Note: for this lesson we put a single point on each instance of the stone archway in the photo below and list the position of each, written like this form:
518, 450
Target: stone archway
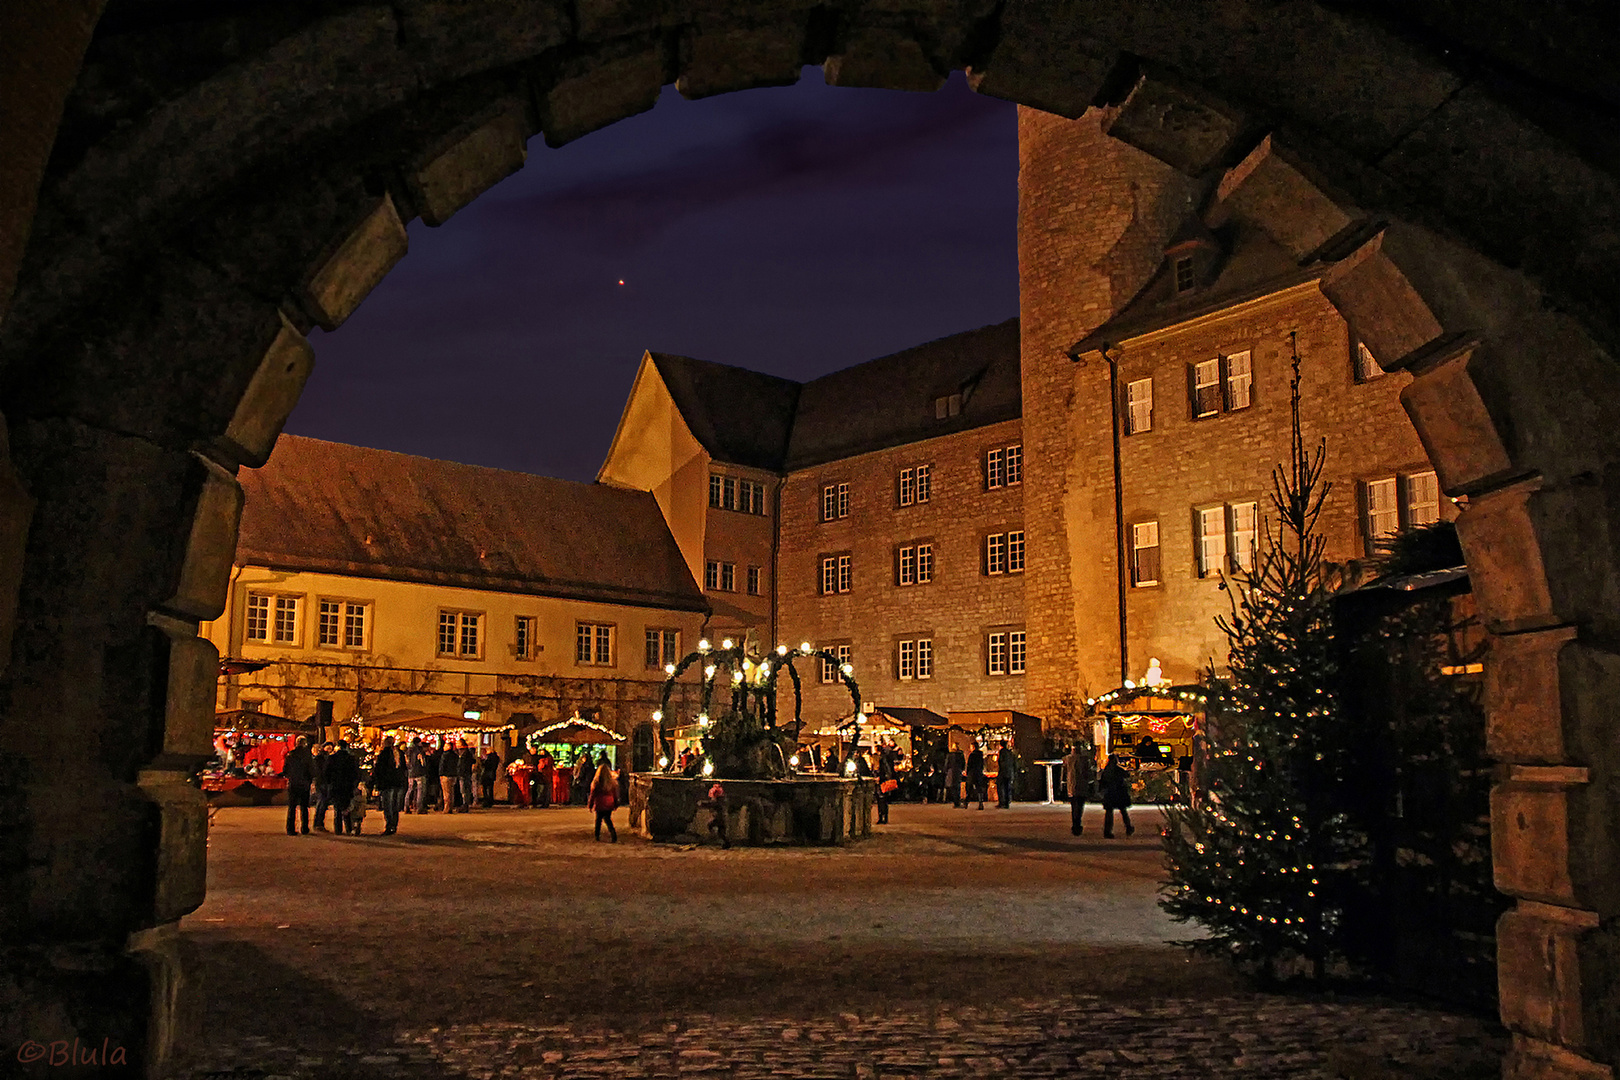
221, 183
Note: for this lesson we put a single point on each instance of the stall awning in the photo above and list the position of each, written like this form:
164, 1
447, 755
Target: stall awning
577, 731
416, 720
260, 722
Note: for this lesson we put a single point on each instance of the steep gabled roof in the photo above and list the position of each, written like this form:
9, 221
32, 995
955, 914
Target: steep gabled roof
890, 401
740, 417
333, 508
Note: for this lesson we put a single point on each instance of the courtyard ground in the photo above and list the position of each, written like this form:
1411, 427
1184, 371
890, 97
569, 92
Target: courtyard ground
954, 943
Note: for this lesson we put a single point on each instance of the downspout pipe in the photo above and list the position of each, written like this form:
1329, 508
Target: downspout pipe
1111, 353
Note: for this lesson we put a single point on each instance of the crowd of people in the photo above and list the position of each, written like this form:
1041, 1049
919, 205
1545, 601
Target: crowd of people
420, 777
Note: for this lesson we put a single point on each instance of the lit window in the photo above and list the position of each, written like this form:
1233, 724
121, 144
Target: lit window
525, 637
1184, 274
1211, 541
1245, 534
996, 654
459, 634
1239, 379
1207, 388
1138, 406
1145, 553
593, 644
1382, 517
995, 553
1422, 499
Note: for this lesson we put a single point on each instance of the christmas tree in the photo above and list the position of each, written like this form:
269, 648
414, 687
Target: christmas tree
1266, 859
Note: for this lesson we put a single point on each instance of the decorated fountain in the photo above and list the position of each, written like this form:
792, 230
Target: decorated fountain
736, 742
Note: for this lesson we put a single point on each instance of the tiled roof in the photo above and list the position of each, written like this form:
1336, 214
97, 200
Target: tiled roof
740, 417
890, 401
333, 508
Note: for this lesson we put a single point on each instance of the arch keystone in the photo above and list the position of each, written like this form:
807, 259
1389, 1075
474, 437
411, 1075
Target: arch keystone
885, 59
475, 161
360, 262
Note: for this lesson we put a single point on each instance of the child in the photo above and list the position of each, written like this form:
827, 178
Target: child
717, 805
357, 809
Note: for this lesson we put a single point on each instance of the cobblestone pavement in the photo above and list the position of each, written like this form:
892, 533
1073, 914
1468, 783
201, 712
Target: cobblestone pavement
955, 944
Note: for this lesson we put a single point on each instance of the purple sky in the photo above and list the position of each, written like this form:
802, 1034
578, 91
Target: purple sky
796, 231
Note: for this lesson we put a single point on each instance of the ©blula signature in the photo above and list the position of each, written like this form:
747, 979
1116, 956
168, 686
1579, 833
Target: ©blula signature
74, 1052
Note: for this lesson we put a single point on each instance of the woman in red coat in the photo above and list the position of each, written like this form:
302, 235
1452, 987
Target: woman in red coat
603, 798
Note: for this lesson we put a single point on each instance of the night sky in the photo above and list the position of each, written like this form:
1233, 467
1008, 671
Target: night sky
795, 231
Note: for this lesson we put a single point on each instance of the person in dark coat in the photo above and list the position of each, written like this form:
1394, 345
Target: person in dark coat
1115, 787
449, 766
415, 777
976, 783
489, 767
1006, 775
886, 774
323, 790
430, 775
342, 777
389, 775
466, 769
299, 769
584, 776
955, 766
1077, 769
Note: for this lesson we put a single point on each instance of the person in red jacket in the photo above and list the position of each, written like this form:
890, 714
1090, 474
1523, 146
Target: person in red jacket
603, 798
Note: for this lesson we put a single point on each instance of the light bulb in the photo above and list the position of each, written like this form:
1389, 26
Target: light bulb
658, 714
804, 646
708, 768
781, 650
709, 671
669, 669
703, 646
794, 761
850, 768
726, 644
736, 676
848, 669
663, 761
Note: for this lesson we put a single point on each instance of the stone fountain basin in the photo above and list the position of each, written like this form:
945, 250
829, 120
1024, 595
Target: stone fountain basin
803, 810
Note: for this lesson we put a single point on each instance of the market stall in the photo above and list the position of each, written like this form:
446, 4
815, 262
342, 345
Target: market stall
988, 729
569, 740
1151, 730
250, 748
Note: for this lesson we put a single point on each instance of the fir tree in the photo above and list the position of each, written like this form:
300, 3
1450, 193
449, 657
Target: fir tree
1264, 861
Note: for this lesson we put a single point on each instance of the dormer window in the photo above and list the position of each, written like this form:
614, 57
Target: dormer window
947, 405
1184, 274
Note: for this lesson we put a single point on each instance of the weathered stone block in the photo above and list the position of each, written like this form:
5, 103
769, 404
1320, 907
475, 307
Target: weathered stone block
1458, 432
16, 511
453, 38
1374, 295
475, 161
1539, 972
271, 395
1188, 130
882, 58
1530, 841
600, 93
1523, 705
1055, 67
1504, 554
188, 710
720, 62
1274, 192
1534, 1059
211, 545
358, 264
176, 1004
801, 811
181, 877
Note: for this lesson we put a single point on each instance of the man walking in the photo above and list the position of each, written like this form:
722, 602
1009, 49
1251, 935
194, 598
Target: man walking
299, 769
1115, 787
342, 777
1006, 775
388, 779
975, 775
1077, 779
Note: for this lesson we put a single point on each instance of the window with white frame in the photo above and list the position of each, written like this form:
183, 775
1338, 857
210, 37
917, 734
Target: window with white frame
272, 617
1422, 499
1382, 512
1145, 553
1239, 380
460, 634
915, 659
341, 624
754, 576
836, 574
523, 637
711, 574
915, 484
1005, 652
995, 553
925, 563
751, 497
1003, 466
663, 646
1245, 534
719, 576
1015, 552
1211, 540
1206, 388
1366, 365
1138, 406
728, 577
831, 669
925, 482
834, 502
593, 644
908, 565
914, 564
